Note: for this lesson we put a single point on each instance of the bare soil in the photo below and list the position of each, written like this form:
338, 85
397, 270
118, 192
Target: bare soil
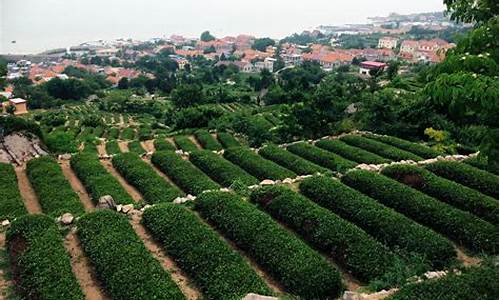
136, 196
83, 270
179, 277
195, 141
163, 175
171, 140
101, 148
123, 146
148, 145
465, 259
77, 185
27, 192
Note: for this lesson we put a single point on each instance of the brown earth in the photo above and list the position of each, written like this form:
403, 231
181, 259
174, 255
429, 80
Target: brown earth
123, 146
465, 259
172, 141
77, 185
83, 270
195, 141
148, 145
101, 148
27, 192
130, 189
163, 175
179, 277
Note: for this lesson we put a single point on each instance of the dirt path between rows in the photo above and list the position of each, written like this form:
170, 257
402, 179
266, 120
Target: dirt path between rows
195, 141
27, 192
5, 284
77, 185
121, 121
148, 145
101, 148
132, 191
83, 270
123, 146
179, 277
163, 175
465, 259
172, 141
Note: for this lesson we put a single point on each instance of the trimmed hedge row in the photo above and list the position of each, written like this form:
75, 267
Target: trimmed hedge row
55, 194
386, 225
219, 169
445, 190
481, 163
136, 148
256, 165
183, 173
11, 202
227, 140
350, 152
113, 133
127, 133
138, 173
462, 227
467, 175
474, 283
183, 142
415, 148
288, 259
219, 271
321, 157
207, 141
112, 147
122, 262
96, 179
379, 148
41, 265
346, 243
290, 161
163, 145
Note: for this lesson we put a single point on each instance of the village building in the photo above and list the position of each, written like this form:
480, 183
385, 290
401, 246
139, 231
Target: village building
387, 42
367, 66
18, 103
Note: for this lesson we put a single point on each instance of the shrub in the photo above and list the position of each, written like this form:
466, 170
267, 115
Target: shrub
40, 265
346, 243
227, 140
97, 181
11, 202
379, 148
473, 283
207, 141
350, 152
219, 271
321, 157
90, 147
481, 163
55, 194
163, 145
386, 225
445, 190
290, 261
136, 148
183, 142
127, 134
256, 165
113, 133
138, 173
460, 226
415, 148
290, 161
467, 175
183, 173
121, 260
219, 169
99, 131
61, 142
112, 147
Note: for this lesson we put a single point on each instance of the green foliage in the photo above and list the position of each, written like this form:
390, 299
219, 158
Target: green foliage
262, 43
379, 148
255, 165
207, 141
467, 175
206, 36
144, 178
136, 148
219, 169
448, 191
418, 149
462, 227
61, 142
183, 142
321, 157
128, 133
40, 264
121, 259
194, 117
290, 261
219, 271
183, 173
112, 147
384, 224
97, 181
346, 243
470, 284
290, 161
163, 145
11, 202
113, 133
350, 152
227, 140
481, 162
186, 95
55, 194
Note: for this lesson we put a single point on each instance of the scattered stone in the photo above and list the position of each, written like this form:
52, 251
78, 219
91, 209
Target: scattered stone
287, 180
119, 208
106, 201
178, 200
435, 274
253, 187
267, 182
65, 156
190, 197
5, 223
253, 296
179, 152
126, 208
67, 219
224, 189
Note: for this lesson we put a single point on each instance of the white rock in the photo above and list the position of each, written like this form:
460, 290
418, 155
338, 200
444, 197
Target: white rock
253, 187
106, 202
253, 296
178, 200
287, 180
65, 156
128, 207
190, 197
67, 219
5, 223
224, 190
119, 207
180, 152
267, 182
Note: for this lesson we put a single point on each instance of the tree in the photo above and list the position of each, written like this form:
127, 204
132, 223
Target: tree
262, 43
123, 83
186, 95
206, 36
210, 49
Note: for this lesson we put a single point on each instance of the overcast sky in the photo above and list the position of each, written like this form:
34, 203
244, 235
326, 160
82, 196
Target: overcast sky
37, 25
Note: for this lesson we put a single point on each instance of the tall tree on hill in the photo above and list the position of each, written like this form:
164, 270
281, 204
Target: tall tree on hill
206, 36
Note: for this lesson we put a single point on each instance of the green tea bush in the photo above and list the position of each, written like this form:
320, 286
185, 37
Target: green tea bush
55, 194
227, 140
11, 202
321, 157
121, 261
163, 145
290, 161
112, 147
379, 148
136, 148
286, 258
207, 141
415, 148
127, 134
183, 142
256, 165
350, 152
219, 271
113, 133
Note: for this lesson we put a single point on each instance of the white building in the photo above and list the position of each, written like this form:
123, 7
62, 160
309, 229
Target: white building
387, 42
267, 64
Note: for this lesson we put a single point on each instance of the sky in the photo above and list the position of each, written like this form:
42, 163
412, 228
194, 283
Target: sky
38, 25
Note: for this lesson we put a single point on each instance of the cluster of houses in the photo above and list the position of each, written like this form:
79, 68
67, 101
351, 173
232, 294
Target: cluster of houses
433, 50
